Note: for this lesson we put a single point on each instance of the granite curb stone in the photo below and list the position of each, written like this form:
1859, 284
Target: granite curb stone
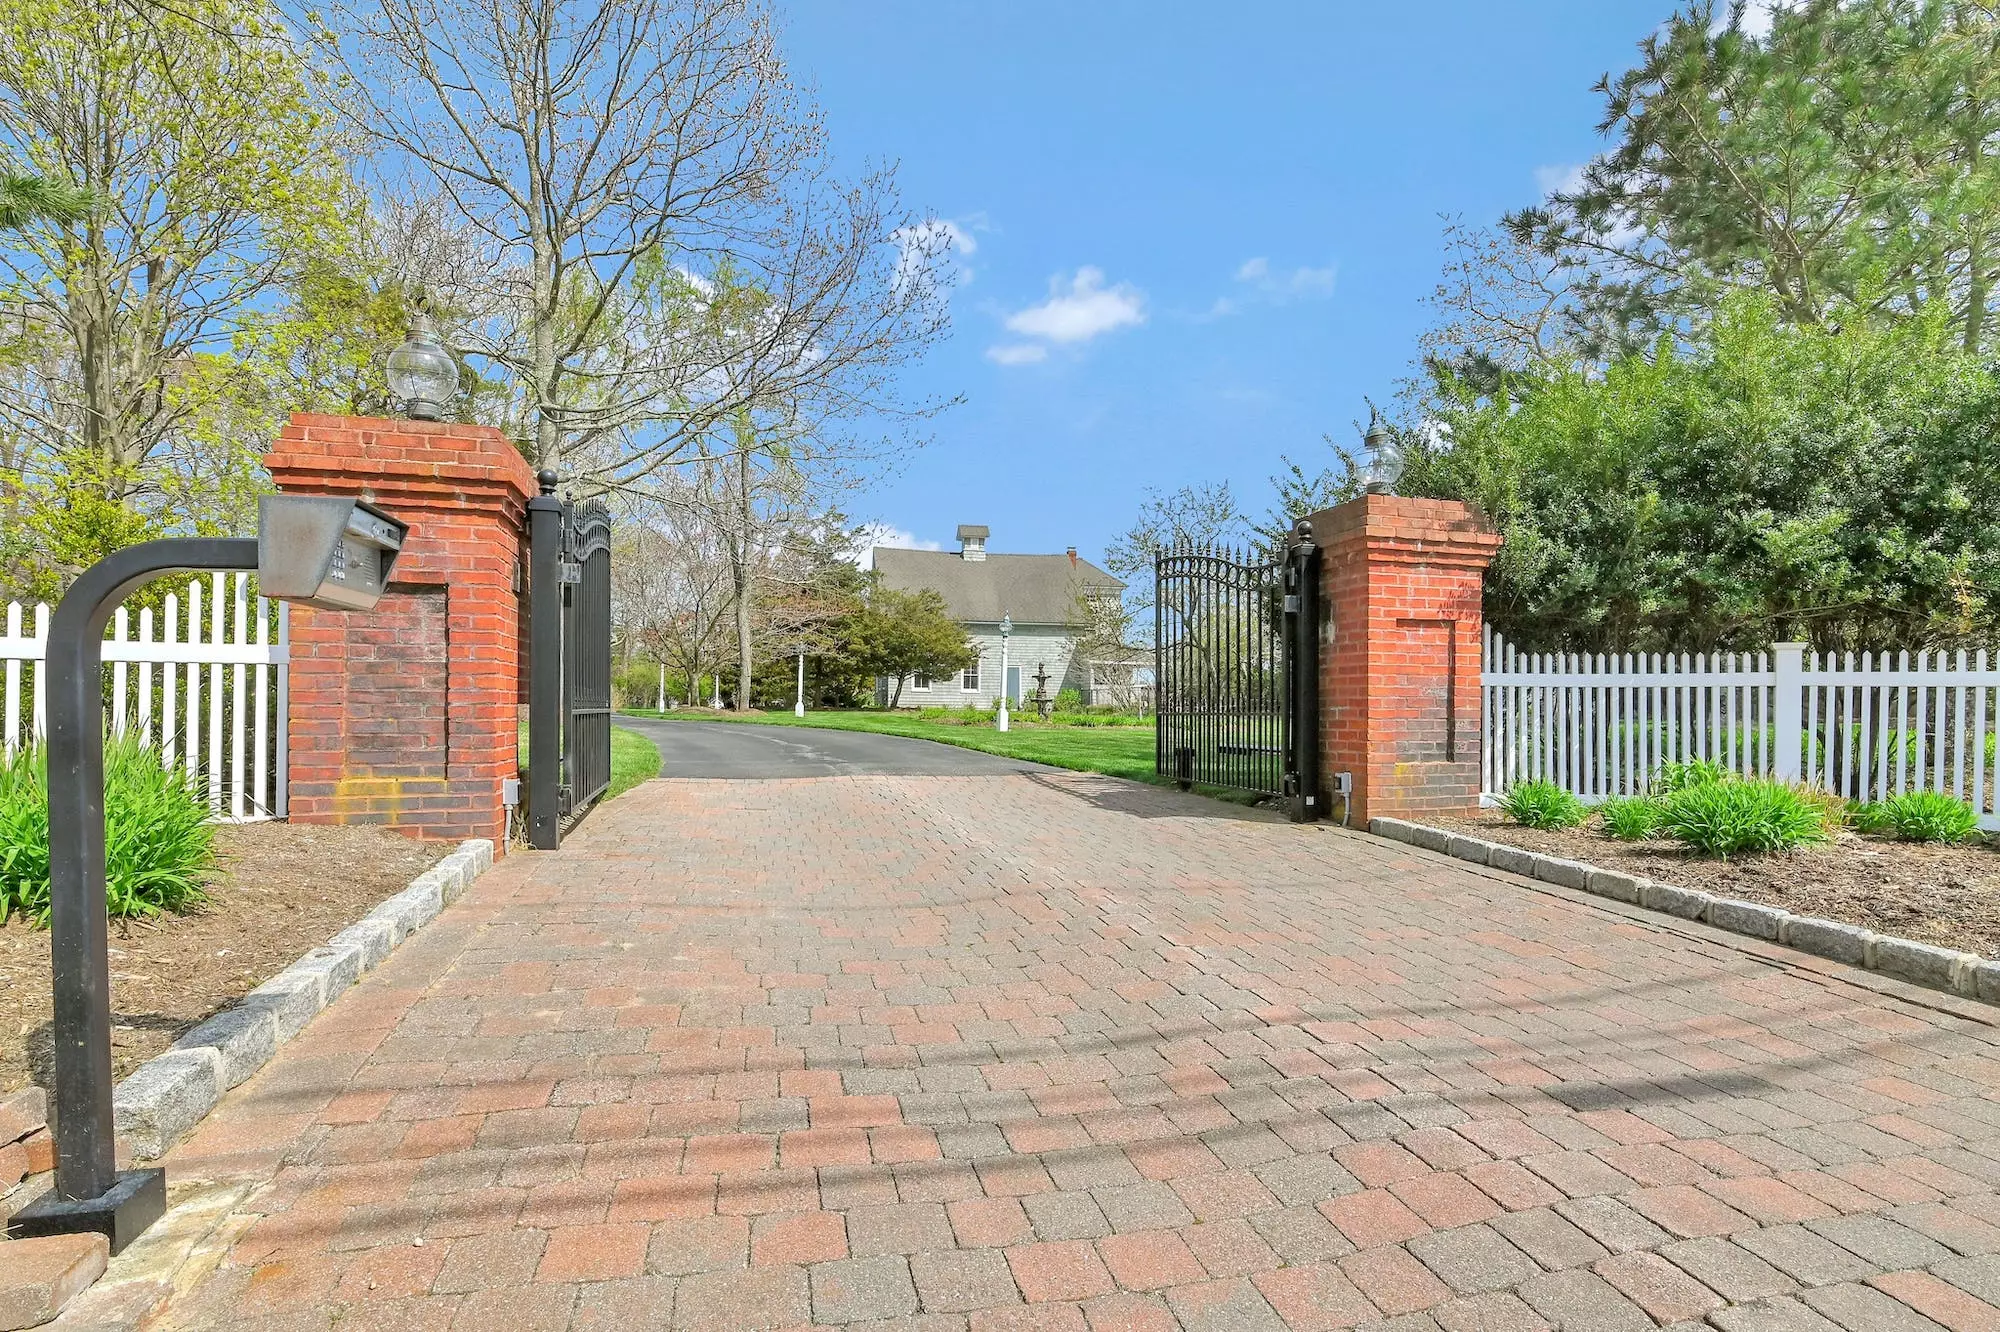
1563, 873
1616, 885
1828, 938
1687, 903
1946, 969
1751, 918
165, 1097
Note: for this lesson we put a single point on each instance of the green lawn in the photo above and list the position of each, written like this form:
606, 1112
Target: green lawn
1119, 751
634, 759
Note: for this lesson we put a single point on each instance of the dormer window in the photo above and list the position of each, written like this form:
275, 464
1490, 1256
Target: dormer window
972, 541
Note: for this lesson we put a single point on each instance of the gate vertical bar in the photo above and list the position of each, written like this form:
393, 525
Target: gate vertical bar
1301, 654
545, 746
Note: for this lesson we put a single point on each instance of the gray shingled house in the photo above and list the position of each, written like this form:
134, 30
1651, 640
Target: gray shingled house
1039, 592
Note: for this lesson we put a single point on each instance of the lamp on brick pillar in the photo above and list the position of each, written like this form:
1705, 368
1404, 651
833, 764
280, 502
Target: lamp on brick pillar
423, 377
1382, 465
1399, 670
409, 717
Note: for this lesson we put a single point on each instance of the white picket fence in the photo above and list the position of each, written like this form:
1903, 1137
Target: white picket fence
1861, 725
213, 702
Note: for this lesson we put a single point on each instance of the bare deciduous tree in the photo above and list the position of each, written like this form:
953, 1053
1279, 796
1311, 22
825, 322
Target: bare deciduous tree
637, 167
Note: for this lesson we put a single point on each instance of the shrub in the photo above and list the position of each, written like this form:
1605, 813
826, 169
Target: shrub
1724, 818
1541, 805
1674, 777
1929, 816
1869, 817
1630, 819
157, 838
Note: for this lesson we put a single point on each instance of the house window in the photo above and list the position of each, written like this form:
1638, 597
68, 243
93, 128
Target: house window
920, 681
970, 680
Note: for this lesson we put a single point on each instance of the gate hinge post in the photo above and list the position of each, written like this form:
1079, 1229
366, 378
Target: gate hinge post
545, 652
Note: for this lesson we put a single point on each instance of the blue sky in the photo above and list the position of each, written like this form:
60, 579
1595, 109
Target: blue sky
1198, 234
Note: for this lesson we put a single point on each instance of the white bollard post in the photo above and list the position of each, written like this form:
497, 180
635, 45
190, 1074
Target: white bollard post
799, 708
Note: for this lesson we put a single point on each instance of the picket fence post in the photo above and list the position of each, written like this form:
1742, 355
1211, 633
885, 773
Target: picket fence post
1788, 686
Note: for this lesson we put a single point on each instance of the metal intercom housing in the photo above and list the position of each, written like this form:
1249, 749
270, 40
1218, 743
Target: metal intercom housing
326, 551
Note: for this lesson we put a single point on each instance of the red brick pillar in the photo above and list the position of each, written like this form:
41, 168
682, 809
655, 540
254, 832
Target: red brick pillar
1399, 668
406, 715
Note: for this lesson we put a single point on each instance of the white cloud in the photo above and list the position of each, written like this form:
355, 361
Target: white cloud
1080, 308
874, 535
1558, 179
1017, 353
1282, 285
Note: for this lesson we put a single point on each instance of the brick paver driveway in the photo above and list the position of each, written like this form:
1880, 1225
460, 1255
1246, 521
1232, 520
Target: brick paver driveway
1060, 1052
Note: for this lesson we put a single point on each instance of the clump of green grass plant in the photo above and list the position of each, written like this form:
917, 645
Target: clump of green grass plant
1929, 816
1630, 818
1726, 818
1541, 805
157, 837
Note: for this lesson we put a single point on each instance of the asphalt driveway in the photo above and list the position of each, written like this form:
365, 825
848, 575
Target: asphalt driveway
745, 751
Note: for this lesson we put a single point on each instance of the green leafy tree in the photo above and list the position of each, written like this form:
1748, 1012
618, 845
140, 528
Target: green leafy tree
1845, 164
900, 634
1759, 481
196, 134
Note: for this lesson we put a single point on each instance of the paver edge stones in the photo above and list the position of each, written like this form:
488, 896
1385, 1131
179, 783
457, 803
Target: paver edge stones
1965, 974
164, 1097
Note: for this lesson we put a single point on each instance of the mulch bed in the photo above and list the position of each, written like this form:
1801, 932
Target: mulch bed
277, 890
1945, 895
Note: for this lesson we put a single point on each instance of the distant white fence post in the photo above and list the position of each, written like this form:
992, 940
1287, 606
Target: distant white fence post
1787, 711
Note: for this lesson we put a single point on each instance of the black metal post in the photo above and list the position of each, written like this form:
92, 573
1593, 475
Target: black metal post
1302, 561
545, 667
90, 1193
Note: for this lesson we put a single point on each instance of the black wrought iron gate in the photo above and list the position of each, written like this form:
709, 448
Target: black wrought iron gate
1236, 643
569, 667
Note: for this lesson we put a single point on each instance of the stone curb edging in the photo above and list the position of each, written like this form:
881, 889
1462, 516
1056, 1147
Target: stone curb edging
166, 1096
1965, 974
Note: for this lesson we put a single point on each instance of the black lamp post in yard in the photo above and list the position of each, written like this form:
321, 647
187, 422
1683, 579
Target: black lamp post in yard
334, 553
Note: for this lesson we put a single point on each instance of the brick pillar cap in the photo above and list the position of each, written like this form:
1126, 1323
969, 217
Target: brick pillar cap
1402, 518
382, 457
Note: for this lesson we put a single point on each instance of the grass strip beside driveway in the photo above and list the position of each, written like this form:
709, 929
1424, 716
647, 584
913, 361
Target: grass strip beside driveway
634, 759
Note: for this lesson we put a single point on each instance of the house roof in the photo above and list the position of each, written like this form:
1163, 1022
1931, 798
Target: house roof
1034, 589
